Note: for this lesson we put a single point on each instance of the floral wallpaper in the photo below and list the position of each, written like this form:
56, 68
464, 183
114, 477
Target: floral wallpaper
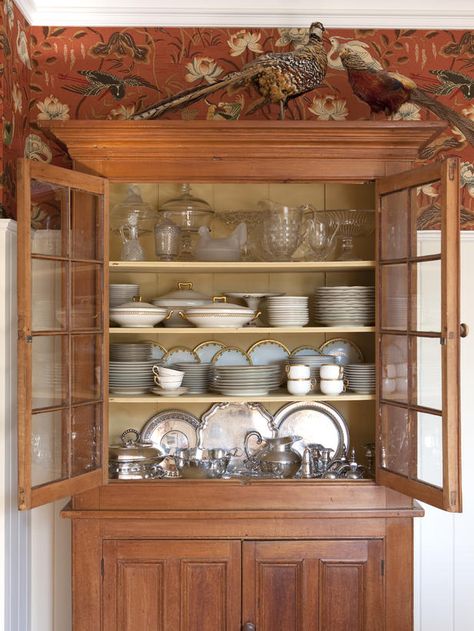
96, 73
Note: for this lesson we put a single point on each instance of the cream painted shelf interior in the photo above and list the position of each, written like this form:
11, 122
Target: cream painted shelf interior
293, 277
215, 398
250, 330
192, 267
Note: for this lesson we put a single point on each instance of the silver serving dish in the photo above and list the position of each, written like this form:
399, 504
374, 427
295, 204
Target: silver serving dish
133, 459
203, 463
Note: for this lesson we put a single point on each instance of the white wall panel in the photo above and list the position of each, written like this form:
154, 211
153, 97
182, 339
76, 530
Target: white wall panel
444, 552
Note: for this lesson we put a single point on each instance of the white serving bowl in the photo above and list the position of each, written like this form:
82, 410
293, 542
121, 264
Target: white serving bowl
219, 314
137, 314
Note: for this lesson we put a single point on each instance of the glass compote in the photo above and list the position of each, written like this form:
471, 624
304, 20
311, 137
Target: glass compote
350, 223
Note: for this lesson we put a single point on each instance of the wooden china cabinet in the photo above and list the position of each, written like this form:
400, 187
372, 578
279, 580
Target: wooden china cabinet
221, 555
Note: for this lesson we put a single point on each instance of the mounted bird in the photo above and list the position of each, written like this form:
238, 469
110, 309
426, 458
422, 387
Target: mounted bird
278, 77
361, 48
387, 91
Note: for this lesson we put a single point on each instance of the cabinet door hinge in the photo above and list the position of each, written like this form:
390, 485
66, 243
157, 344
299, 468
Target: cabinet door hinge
451, 169
382, 567
102, 568
21, 499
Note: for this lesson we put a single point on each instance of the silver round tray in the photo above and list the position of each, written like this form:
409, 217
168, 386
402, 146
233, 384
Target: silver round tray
315, 422
170, 430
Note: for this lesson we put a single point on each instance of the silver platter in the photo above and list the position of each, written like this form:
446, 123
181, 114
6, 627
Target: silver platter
170, 430
315, 422
225, 425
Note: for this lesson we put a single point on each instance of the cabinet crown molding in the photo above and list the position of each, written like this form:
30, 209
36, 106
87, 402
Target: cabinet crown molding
267, 13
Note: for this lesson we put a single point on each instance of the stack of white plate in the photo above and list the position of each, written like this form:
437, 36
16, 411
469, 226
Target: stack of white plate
131, 377
346, 305
246, 380
142, 351
288, 311
197, 377
314, 362
361, 377
119, 294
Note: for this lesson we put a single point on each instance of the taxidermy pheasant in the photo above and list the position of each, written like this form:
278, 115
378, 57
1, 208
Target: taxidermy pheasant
387, 91
278, 77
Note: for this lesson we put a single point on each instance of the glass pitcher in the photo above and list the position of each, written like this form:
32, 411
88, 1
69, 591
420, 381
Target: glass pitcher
281, 230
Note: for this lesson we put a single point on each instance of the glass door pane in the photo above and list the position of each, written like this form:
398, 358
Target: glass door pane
61, 257
418, 334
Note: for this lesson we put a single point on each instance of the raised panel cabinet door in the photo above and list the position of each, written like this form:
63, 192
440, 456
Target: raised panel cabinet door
163, 585
313, 585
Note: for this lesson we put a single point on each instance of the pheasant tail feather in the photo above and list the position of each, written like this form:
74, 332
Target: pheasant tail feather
186, 97
465, 125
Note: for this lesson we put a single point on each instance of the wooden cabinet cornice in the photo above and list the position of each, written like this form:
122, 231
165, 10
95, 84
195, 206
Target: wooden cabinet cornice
242, 150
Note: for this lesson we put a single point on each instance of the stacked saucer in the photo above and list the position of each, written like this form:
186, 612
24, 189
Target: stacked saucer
288, 311
246, 380
314, 362
119, 294
141, 351
361, 378
344, 305
131, 377
197, 376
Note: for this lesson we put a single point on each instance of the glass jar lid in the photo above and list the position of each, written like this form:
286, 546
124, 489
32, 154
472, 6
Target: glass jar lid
187, 211
133, 204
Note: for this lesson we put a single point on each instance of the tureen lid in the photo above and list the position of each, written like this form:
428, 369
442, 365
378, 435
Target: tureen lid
131, 449
183, 293
220, 304
136, 305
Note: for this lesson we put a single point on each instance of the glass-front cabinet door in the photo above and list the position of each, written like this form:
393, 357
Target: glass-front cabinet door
418, 330
62, 381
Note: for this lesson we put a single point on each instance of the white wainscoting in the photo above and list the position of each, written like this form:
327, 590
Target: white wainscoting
15, 527
444, 548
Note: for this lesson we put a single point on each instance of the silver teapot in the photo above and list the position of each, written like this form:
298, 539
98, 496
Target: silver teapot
276, 455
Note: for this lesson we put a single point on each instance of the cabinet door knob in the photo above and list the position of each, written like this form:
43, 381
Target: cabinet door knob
463, 330
249, 626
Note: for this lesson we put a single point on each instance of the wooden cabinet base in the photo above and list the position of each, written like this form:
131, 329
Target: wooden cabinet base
219, 570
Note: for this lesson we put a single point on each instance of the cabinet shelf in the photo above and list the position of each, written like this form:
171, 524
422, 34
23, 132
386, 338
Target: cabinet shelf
213, 397
243, 331
213, 267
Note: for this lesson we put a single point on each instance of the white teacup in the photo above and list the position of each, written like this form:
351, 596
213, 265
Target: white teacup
331, 371
169, 383
300, 386
298, 371
161, 371
389, 385
332, 386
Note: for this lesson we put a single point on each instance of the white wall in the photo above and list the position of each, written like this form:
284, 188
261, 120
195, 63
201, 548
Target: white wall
444, 548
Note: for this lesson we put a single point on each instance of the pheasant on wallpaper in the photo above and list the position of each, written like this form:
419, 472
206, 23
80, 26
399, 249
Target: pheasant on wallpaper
387, 91
278, 77
97, 82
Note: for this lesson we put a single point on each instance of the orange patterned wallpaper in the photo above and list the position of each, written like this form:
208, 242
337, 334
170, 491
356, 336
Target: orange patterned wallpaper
62, 73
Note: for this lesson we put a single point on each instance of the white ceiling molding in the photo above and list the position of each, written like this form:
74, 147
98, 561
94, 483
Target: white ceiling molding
250, 13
